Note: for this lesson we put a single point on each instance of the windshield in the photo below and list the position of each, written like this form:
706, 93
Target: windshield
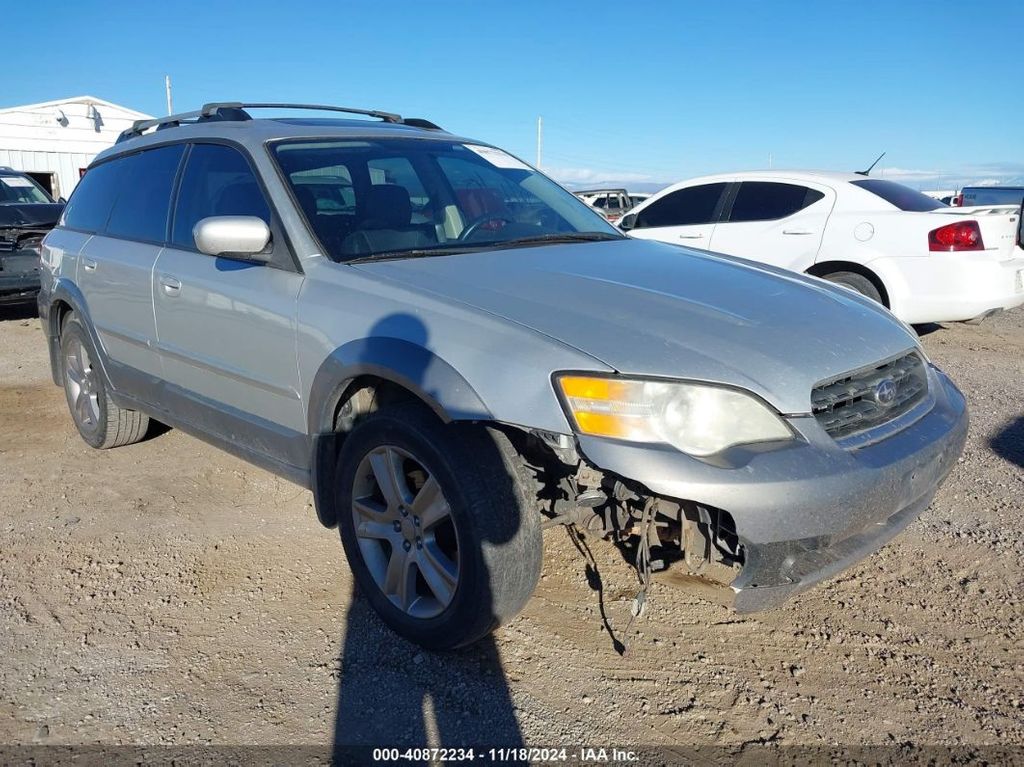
899, 196
410, 197
15, 189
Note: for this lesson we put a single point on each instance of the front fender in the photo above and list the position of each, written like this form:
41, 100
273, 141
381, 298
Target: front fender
405, 363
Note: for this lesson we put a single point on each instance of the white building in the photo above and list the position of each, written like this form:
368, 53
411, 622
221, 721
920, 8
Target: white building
55, 141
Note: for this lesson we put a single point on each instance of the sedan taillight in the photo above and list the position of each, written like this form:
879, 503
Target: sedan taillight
963, 235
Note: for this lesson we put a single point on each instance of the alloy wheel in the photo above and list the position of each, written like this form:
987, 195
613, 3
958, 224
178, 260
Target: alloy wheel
406, 531
83, 385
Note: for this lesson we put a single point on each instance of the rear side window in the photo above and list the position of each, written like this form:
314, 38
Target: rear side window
93, 198
144, 194
768, 200
899, 196
217, 182
693, 205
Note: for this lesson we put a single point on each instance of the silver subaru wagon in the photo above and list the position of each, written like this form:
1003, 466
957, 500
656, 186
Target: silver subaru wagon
452, 352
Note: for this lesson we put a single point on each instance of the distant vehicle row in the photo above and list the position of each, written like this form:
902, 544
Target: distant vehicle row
611, 203
925, 261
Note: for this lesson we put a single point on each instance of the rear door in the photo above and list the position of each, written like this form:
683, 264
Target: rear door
775, 222
126, 206
684, 217
226, 327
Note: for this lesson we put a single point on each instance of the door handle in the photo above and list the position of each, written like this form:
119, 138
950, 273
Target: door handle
691, 237
797, 231
89, 264
171, 286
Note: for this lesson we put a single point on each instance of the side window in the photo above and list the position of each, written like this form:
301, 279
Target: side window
144, 194
217, 182
693, 205
768, 200
93, 198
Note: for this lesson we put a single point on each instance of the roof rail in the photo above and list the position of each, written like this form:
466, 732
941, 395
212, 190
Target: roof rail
235, 111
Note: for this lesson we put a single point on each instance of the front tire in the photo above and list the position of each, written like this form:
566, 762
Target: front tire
98, 419
436, 525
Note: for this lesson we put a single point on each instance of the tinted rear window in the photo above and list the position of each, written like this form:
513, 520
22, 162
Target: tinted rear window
90, 204
144, 198
899, 196
768, 200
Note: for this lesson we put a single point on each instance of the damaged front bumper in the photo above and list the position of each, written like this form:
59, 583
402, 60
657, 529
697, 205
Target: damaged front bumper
807, 511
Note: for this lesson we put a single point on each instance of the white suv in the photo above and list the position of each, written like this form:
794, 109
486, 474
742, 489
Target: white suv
923, 260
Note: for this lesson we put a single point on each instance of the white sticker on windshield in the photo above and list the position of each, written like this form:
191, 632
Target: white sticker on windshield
497, 158
16, 181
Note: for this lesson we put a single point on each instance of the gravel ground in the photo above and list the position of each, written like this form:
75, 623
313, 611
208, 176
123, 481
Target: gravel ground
167, 593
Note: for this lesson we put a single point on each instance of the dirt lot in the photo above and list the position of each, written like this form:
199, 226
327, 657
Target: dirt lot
169, 593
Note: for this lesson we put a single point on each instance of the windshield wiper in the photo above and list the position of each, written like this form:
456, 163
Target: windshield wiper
470, 247
558, 238
416, 253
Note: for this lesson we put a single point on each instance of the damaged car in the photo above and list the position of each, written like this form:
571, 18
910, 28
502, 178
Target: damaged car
464, 353
27, 213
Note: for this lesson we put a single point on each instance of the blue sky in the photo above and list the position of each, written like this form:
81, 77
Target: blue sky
639, 92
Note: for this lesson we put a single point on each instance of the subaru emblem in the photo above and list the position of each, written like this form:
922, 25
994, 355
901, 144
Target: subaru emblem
885, 392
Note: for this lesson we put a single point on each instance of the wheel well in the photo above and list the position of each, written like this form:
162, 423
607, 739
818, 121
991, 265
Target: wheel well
825, 268
366, 394
59, 312
359, 397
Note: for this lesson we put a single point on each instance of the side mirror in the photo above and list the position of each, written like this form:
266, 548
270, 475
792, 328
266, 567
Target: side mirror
627, 222
239, 236
62, 200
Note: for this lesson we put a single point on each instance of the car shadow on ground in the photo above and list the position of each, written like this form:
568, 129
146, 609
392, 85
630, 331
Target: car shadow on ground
1009, 442
20, 311
393, 693
926, 329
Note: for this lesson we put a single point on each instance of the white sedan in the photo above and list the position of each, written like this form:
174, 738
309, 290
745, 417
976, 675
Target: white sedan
923, 260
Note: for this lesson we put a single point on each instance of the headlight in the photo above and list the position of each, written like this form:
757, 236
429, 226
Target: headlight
699, 419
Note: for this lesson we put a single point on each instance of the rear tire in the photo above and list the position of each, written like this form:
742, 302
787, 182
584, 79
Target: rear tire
857, 282
476, 521
99, 420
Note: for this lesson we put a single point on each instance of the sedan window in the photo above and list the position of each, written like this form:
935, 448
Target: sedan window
693, 205
768, 200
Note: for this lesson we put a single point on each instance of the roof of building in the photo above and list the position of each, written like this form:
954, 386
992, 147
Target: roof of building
75, 100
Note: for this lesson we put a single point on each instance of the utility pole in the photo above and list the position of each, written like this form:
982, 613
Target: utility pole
170, 103
769, 161
540, 138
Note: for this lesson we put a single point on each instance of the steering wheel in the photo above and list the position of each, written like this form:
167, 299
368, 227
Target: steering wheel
478, 223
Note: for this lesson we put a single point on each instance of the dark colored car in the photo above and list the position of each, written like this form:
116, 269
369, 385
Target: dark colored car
27, 213
971, 196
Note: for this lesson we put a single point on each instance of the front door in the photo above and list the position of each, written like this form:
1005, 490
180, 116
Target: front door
684, 217
226, 327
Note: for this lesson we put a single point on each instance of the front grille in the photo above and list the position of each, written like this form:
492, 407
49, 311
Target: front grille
860, 400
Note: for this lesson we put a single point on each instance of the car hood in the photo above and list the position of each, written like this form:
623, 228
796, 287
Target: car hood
647, 308
30, 215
